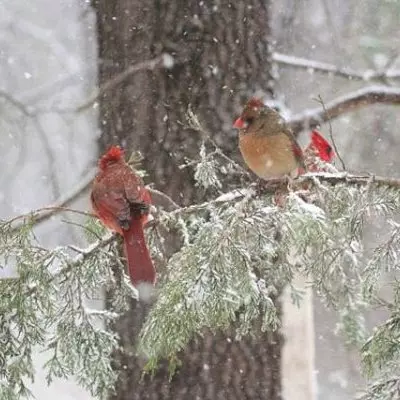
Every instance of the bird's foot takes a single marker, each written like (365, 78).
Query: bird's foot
(270, 185)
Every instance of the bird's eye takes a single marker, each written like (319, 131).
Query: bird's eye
(249, 120)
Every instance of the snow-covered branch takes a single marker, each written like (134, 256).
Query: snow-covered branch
(42, 214)
(173, 209)
(358, 180)
(271, 187)
(349, 102)
(230, 267)
(84, 254)
(331, 69)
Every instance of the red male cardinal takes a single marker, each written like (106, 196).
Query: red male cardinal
(122, 203)
(318, 149)
(266, 142)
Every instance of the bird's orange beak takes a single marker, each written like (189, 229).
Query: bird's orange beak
(239, 123)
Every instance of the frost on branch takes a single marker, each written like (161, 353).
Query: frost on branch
(234, 264)
(239, 251)
(206, 170)
(43, 307)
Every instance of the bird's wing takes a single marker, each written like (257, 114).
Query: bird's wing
(112, 205)
(137, 195)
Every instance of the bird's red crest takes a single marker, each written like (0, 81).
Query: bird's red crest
(114, 153)
(324, 149)
(255, 103)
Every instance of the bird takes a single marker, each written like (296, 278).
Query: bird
(122, 203)
(267, 143)
(319, 149)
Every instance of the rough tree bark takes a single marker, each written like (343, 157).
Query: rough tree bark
(220, 56)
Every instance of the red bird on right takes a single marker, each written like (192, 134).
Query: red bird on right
(318, 150)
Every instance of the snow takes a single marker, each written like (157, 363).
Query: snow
(168, 60)
(146, 291)
(233, 195)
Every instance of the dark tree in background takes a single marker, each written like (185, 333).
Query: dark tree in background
(220, 55)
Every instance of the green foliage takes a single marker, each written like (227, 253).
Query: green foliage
(44, 307)
(239, 251)
(237, 260)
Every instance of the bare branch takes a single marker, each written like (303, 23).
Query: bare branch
(331, 132)
(331, 69)
(119, 78)
(16, 103)
(43, 214)
(352, 101)
(163, 200)
(357, 180)
(164, 60)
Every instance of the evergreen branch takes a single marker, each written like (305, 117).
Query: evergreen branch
(331, 69)
(225, 198)
(352, 101)
(43, 214)
(195, 124)
(272, 186)
(383, 389)
(84, 255)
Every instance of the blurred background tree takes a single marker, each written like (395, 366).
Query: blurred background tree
(211, 64)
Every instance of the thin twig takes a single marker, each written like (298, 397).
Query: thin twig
(37, 216)
(161, 199)
(332, 69)
(194, 123)
(331, 132)
(164, 60)
(42, 214)
(148, 65)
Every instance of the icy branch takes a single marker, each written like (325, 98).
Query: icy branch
(160, 198)
(331, 69)
(352, 101)
(84, 254)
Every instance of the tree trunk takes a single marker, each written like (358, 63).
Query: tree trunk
(220, 56)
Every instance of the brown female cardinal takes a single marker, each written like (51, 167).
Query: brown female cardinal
(266, 142)
(122, 203)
